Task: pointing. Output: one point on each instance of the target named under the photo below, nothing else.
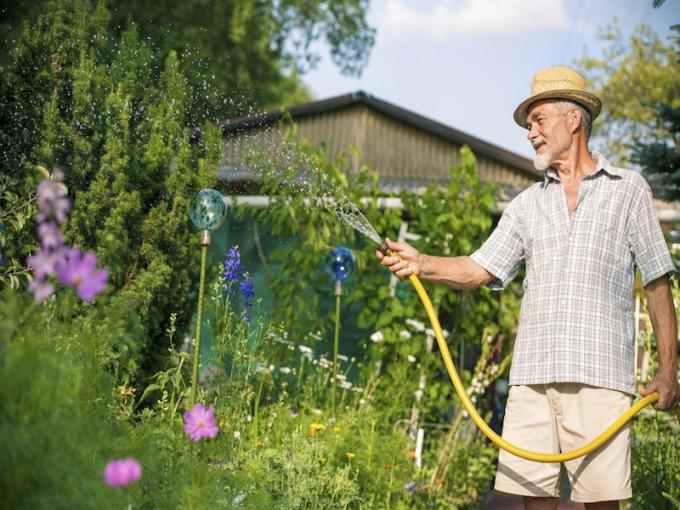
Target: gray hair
(586, 122)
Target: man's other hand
(668, 388)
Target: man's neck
(575, 163)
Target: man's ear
(575, 119)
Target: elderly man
(581, 233)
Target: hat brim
(587, 100)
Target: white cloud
(405, 21)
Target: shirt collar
(601, 165)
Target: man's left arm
(664, 324)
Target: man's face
(549, 133)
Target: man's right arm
(460, 273)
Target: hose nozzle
(383, 248)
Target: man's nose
(531, 133)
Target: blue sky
(468, 63)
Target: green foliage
(122, 137)
(294, 213)
(656, 461)
(451, 219)
(64, 414)
(16, 212)
(237, 55)
(628, 70)
(121, 101)
(254, 49)
(58, 386)
(401, 372)
(660, 160)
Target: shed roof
(448, 133)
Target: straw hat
(558, 82)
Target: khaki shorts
(560, 417)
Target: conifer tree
(660, 159)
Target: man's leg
(603, 505)
(529, 423)
(602, 478)
(531, 503)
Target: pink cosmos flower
(199, 422)
(80, 272)
(122, 472)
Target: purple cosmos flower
(52, 199)
(45, 263)
(121, 473)
(41, 290)
(410, 487)
(199, 422)
(80, 272)
(50, 235)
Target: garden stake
(205, 242)
(207, 211)
(336, 338)
(479, 421)
(339, 264)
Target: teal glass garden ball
(207, 209)
(340, 263)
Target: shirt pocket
(603, 234)
(545, 247)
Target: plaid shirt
(576, 320)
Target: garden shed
(405, 148)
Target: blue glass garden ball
(340, 263)
(207, 209)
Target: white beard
(542, 161)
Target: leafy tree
(632, 77)
(238, 54)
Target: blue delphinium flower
(247, 287)
(232, 265)
(235, 274)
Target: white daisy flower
(417, 325)
(377, 337)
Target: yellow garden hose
(479, 421)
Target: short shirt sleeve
(503, 252)
(645, 238)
